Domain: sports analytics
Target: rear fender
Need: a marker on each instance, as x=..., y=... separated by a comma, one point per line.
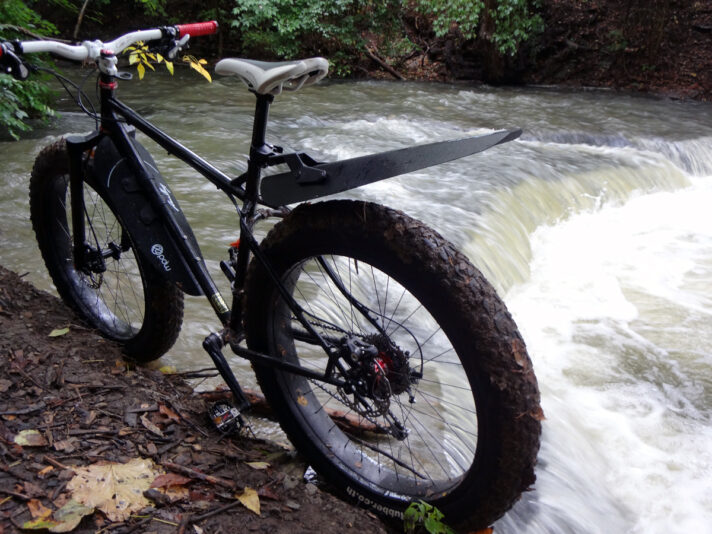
x=115, y=181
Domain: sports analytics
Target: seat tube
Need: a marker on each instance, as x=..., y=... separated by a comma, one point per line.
x=258, y=148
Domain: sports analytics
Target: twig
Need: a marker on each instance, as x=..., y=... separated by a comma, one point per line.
x=25, y=411
x=15, y=494
x=383, y=64
x=186, y=419
x=36, y=36
x=56, y=463
x=188, y=520
x=192, y=473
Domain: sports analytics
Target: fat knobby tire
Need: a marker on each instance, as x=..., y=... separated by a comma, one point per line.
x=495, y=358
x=163, y=312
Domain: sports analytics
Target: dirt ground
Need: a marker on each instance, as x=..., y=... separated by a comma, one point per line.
x=71, y=401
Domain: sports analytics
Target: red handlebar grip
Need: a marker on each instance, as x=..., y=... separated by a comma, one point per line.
x=197, y=28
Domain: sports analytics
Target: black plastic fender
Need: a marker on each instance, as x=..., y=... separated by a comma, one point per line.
x=314, y=180
x=115, y=181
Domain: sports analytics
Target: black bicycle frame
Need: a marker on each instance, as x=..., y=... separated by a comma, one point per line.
x=116, y=122
x=306, y=179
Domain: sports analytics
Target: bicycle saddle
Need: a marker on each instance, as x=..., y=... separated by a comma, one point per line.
x=270, y=77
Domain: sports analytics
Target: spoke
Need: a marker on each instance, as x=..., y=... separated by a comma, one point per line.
x=389, y=456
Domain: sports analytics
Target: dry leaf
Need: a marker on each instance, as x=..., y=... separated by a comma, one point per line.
x=538, y=414
x=30, y=438
x=44, y=472
x=145, y=421
x=488, y=530
x=250, y=500
x=175, y=493
x=115, y=489
x=165, y=410
x=170, y=479
x=198, y=530
x=37, y=509
x=258, y=465
x=65, y=445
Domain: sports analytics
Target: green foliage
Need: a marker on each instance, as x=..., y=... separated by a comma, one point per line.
x=288, y=28
x=423, y=514
x=513, y=20
x=16, y=14
x=21, y=100
x=153, y=7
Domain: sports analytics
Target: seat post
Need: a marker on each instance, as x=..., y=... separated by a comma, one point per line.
x=259, y=126
x=259, y=150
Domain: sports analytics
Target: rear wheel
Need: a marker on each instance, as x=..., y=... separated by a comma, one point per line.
x=112, y=291
x=435, y=397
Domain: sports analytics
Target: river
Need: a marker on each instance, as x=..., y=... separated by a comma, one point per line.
x=595, y=227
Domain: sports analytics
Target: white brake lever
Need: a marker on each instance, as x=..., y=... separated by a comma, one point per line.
x=179, y=46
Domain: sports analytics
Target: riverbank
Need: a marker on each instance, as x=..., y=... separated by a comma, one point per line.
x=658, y=47
x=68, y=400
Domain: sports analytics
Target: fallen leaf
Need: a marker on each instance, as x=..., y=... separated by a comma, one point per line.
x=39, y=524
x=268, y=493
x=65, y=445
x=258, y=465
x=538, y=414
x=170, y=479
x=44, y=472
x=30, y=438
x=175, y=493
x=69, y=516
x=145, y=421
x=37, y=509
x=198, y=530
x=115, y=489
x=4, y=385
x=168, y=370
x=58, y=332
x=165, y=410
x=33, y=490
x=250, y=500
x=302, y=400
x=488, y=530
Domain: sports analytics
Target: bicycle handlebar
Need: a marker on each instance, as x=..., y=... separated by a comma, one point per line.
x=92, y=49
x=196, y=29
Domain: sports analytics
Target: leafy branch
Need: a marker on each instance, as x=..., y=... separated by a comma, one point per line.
x=141, y=56
x=421, y=513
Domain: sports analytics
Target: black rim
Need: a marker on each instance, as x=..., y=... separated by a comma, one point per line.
x=109, y=288
x=400, y=448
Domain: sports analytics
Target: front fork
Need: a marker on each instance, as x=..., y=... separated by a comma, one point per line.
x=77, y=147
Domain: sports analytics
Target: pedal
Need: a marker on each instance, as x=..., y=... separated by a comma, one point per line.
x=226, y=418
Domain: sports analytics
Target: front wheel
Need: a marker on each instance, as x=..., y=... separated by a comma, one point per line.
x=432, y=394
x=112, y=290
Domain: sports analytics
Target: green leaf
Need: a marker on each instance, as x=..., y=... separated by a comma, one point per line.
x=141, y=71
x=58, y=332
x=169, y=66
x=39, y=524
x=69, y=516
x=133, y=58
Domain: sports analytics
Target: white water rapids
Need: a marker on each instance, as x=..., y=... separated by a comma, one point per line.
x=596, y=228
